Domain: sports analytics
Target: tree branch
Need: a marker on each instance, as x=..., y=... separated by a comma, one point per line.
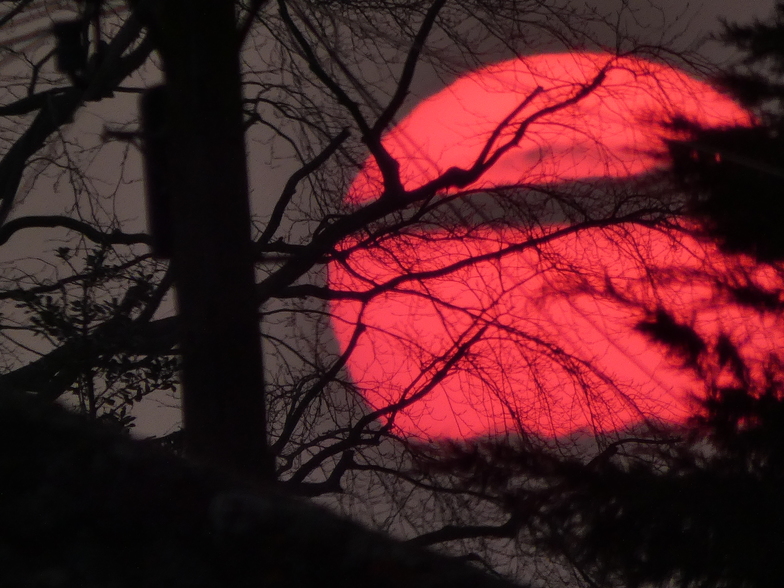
x=330, y=485
x=48, y=222
x=455, y=533
x=21, y=5
x=456, y=177
x=315, y=66
x=247, y=24
x=291, y=186
x=21, y=293
x=296, y=413
x=30, y=103
x=412, y=59
x=60, y=108
x=51, y=375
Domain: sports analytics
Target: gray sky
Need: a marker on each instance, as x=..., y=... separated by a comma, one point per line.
x=654, y=20
x=650, y=19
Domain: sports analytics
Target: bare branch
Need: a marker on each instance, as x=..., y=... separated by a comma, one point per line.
x=459, y=178
x=116, y=237
x=412, y=59
x=30, y=103
x=315, y=66
x=250, y=18
x=291, y=186
x=59, y=108
x=459, y=532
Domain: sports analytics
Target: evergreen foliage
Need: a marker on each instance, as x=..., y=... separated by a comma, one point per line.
x=702, y=506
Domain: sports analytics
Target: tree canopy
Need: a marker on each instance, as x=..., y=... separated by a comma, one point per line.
x=353, y=244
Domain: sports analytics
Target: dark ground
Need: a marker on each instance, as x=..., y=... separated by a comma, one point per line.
x=85, y=506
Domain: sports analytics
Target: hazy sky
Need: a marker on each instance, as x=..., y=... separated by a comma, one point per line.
x=649, y=18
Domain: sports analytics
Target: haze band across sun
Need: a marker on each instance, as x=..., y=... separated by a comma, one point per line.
x=539, y=333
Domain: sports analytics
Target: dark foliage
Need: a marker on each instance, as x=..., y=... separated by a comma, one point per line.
x=752, y=296
x=704, y=510
x=734, y=175
x=700, y=506
x=701, y=510
x=84, y=506
x=681, y=340
x=95, y=318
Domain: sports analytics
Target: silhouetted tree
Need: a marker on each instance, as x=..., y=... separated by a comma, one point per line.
x=701, y=505
x=699, y=509
x=86, y=506
x=90, y=318
x=735, y=174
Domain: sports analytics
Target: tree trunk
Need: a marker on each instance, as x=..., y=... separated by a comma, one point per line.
x=212, y=257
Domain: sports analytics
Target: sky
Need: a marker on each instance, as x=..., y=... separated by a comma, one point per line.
x=686, y=22
x=668, y=18
x=696, y=22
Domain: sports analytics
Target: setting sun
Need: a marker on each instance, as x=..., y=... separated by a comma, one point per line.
x=539, y=334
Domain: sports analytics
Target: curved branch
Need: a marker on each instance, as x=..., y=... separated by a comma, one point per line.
x=389, y=167
x=386, y=163
x=456, y=177
x=315, y=66
x=457, y=532
x=50, y=376
x=412, y=59
x=52, y=221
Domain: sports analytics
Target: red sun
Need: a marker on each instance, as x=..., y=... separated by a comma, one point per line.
x=540, y=338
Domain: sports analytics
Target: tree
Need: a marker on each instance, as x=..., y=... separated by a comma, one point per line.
x=198, y=115
x=86, y=506
x=312, y=98
x=702, y=507
x=718, y=165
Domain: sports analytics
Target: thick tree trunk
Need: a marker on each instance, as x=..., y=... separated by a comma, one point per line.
x=212, y=257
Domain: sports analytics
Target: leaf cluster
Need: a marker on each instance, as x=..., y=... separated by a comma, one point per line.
x=95, y=318
x=734, y=175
